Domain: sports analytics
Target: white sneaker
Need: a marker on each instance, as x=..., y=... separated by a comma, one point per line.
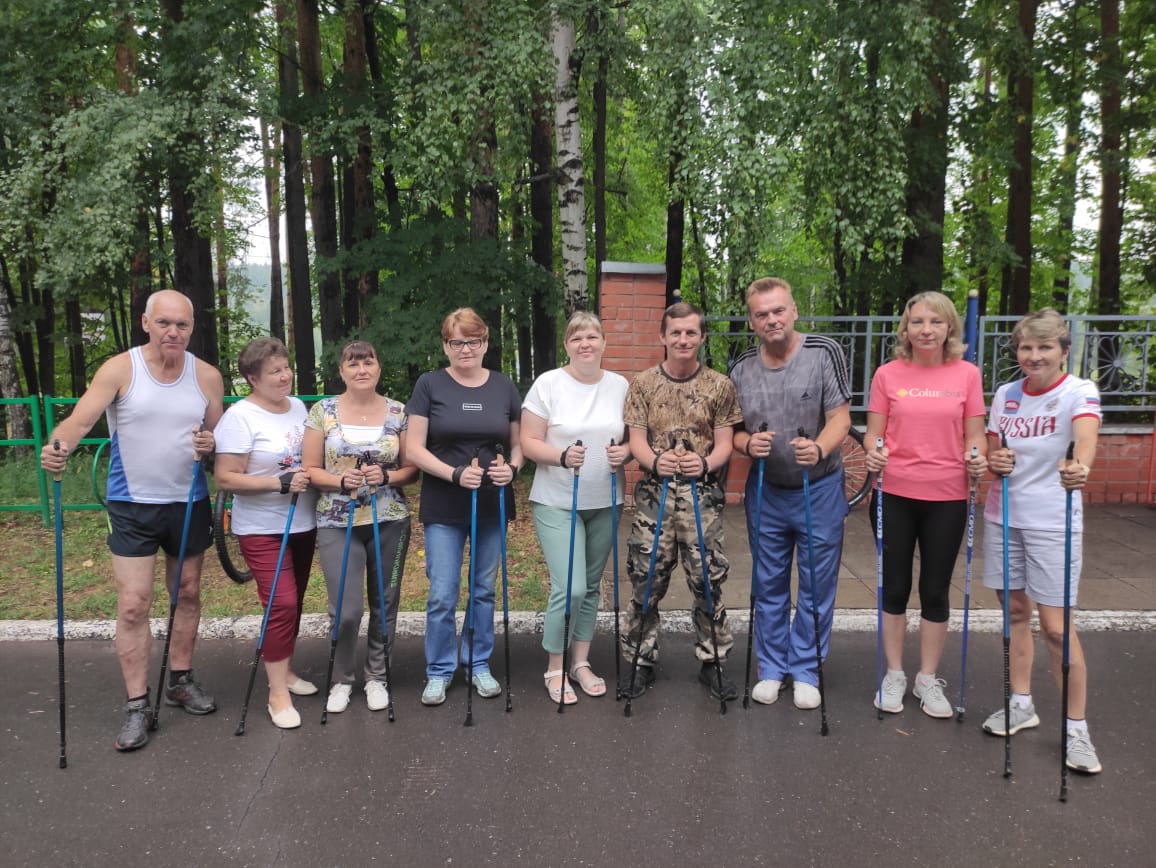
x=338, y=698
x=767, y=691
x=806, y=696
x=894, y=686
x=376, y=696
x=931, y=698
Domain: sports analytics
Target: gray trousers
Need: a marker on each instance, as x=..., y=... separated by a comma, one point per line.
x=363, y=560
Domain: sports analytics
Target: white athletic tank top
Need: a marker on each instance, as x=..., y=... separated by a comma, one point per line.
x=151, y=426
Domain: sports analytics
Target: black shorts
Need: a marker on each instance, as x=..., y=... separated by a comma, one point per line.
x=137, y=530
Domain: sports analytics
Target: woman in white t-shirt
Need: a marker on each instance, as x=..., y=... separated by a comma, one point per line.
x=1040, y=415
x=355, y=449
x=259, y=461
x=577, y=402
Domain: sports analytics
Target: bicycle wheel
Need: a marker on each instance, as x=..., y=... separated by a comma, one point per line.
x=856, y=479
x=228, y=548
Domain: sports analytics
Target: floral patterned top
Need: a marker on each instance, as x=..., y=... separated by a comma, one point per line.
x=340, y=455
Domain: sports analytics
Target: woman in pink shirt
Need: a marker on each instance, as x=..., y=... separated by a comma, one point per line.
x=927, y=405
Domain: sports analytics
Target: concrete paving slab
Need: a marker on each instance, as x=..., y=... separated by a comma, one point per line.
x=1119, y=547
x=676, y=784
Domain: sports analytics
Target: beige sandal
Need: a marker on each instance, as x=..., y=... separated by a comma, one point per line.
x=593, y=686
x=556, y=692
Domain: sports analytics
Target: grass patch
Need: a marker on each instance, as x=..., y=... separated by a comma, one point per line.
x=28, y=577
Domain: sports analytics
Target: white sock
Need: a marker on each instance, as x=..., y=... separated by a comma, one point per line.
x=1078, y=725
x=1022, y=700
x=898, y=673
x=926, y=679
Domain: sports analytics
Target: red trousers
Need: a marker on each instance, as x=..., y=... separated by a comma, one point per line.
x=260, y=551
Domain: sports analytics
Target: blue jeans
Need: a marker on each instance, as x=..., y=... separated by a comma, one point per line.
x=444, y=552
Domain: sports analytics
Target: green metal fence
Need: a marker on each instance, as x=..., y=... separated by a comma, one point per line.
x=44, y=412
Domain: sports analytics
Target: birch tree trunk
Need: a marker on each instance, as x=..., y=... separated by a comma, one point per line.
x=16, y=414
x=568, y=142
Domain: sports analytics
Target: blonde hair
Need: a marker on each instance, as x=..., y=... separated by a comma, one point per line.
x=1042, y=325
x=766, y=284
x=582, y=319
x=467, y=321
x=941, y=305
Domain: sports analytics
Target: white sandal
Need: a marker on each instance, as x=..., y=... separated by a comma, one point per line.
x=556, y=692
x=596, y=687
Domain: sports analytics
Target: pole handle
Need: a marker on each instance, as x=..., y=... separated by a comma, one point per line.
x=57, y=476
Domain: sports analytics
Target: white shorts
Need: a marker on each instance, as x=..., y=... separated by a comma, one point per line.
x=1035, y=562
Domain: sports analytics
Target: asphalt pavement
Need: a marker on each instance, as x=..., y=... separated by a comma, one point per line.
x=675, y=784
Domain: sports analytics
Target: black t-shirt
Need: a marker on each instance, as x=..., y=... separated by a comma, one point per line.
x=464, y=421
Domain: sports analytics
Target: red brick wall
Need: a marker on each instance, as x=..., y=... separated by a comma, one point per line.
x=632, y=297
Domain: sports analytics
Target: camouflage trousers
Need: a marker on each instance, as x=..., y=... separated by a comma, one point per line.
x=678, y=540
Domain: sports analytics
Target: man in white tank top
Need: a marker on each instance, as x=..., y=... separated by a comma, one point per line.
x=162, y=404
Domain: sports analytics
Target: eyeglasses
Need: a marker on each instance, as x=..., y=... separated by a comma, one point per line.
x=457, y=346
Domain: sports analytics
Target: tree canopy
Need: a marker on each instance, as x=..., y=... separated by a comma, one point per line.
x=426, y=154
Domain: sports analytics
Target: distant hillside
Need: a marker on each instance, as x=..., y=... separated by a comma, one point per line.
x=257, y=276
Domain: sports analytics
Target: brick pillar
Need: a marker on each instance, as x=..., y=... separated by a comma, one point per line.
x=631, y=299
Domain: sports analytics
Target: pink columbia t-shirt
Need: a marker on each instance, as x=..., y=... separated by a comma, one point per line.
x=925, y=410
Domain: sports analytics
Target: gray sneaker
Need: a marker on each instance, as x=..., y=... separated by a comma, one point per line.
x=1081, y=755
x=1022, y=717
x=435, y=691
x=486, y=684
x=135, y=731
x=931, y=698
x=190, y=696
x=894, y=686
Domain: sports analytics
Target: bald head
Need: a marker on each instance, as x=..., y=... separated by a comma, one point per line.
x=168, y=297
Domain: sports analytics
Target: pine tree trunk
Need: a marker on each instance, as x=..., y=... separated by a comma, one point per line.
x=323, y=202
x=272, y=166
x=1111, y=209
x=297, y=240
x=1017, y=277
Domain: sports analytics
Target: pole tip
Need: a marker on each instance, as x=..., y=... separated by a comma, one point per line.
x=973, y=293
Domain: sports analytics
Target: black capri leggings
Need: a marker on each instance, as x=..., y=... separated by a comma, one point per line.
x=938, y=526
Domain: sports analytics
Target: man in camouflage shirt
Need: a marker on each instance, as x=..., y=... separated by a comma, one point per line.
x=681, y=417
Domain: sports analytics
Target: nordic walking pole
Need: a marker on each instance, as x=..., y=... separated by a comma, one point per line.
x=501, y=457
x=268, y=611
x=754, y=573
x=959, y=709
x=823, y=730
x=175, y=590
x=383, y=608
x=569, y=585
x=337, y=612
x=59, y=516
x=1067, y=635
x=879, y=580
x=1007, y=767
x=469, y=621
x=614, y=554
x=722, y=702
x=646, y=592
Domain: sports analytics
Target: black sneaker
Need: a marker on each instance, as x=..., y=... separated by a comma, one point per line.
x=643, y=678
x=135, y=732
x=190, y=696
x=710, y=677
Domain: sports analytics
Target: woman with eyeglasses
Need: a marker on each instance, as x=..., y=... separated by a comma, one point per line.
x=458, y=414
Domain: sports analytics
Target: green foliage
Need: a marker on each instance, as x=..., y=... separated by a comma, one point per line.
x=435, y=268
